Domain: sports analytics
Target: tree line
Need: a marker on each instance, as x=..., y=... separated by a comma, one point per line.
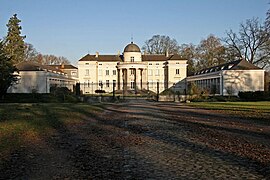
x=251, y=43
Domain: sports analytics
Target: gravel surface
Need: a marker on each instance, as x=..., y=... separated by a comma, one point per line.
x=147, y=140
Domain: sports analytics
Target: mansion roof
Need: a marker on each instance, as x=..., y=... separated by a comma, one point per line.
x=233, y=65
x=64, y=66
x=33, y=66
x=117, y=58
x=110, y=58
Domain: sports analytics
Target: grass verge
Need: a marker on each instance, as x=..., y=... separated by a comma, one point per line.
x=254, y=110
x=28, y=123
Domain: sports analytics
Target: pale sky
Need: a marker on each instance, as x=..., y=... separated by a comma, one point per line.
x=74, y=28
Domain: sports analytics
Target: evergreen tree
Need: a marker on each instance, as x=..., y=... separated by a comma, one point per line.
x=14, y=45
x=7, y=70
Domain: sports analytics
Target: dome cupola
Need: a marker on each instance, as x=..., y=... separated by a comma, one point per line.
x=132, y=48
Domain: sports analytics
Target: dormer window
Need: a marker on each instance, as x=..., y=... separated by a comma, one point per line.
x=73, y=73
x=132, y=59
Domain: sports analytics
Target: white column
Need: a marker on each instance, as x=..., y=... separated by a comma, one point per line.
x=128, y=81
x=119, y=79
x=123, y=78
x=140, y=78
x=137, y=78
x=144, y=78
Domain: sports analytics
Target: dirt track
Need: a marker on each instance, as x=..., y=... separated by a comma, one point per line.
x=147, y=140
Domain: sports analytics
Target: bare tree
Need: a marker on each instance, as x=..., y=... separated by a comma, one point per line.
x=54, y=60
x=32, y=55
x=160, y=45
x=49, y=59
x=210, y=52
x=30, y=52
x=267, y=20
x=251, y=43
x=188, y=51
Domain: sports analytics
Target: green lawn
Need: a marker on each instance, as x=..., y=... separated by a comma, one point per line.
x=26, y=123
x=256, y=110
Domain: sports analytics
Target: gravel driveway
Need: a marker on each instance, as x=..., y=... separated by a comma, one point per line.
x=149, y=140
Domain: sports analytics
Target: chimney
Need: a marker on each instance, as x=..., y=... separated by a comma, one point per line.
x=167, y=53
x=97, y=54
x=118, y=53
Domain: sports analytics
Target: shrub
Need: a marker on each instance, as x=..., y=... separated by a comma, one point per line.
x=99, y=91
x=167, y=92
x=63, y=94
x=60, y=90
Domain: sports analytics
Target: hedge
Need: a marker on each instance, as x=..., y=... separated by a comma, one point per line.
x=255, y=95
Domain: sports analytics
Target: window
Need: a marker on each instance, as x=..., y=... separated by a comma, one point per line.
x=157, y=63
x=86, y=63
x=100, y=84
x=73, y=73
x=100, y=64
x=132, y=71
x=114, y=72
x=132, y=84
x=114, y=82
x=107, y=83
x=107, y=72
x=177, y=71
x=177, y=62
x=157, y=72
x=150, y=63
x=132, y=59
x=87, y=72
x=150, y=72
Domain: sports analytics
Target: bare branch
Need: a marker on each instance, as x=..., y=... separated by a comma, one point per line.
x=252, y=41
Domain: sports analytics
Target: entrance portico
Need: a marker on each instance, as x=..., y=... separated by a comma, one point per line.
x=131, y=75
x=132, y=71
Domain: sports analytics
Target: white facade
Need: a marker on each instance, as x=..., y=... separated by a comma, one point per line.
x=235, y=81
x=130, y=71
x=93, y=73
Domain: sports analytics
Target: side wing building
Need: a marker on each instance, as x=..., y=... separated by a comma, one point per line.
x=40, y=78
x=229, y=79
